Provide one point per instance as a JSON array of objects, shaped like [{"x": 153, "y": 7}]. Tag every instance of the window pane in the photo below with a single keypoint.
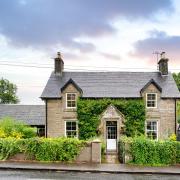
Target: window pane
[
  {"x": 73, "y": 96},
  {"x": 71, "y": 129},
  {"x": 73, "y": 103},
  {"x": 71, "y": 100},
  {"x": 68, "y": 96},
  {"x": 151, "y": 100},
  {"x": 151, "y": 129}
]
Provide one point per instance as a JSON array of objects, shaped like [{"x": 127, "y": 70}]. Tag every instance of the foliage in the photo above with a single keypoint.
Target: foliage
[
  {"x": 8, "y": 92},
  {"x": 178, "y": 111},
  {"x": 57, "y": 149},
  {"x": 9, "y": 147},
  {"x": 176, "y": 77},
  {"x": 144, "y": 151},
  {"x": 43, "y": 149},
  {"x": 89, "y": 111},
  {"x": 13, "y": 128},
  {"x": 173, "y": 137}
]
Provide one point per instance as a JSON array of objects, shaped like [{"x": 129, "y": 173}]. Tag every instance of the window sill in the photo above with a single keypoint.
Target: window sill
[{"x": 70, "y": 110}]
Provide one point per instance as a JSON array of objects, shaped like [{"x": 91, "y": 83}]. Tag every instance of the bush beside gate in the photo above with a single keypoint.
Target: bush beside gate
[{"x": 143, "y": 151}]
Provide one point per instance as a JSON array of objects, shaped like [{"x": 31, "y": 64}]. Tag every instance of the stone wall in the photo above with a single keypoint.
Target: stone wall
[
  {"x": 91, "y": 153},
  {"x": 57, "y": 113},
  {"x": 164, "y": 114}
]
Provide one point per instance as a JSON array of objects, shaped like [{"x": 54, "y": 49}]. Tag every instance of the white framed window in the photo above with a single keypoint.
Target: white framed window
[
  {"x": 70, "y": 100},
  {"x": 152, "y": 129},
  {"x": 151, "y": 100},
  {"x": 71, "y": 129}
]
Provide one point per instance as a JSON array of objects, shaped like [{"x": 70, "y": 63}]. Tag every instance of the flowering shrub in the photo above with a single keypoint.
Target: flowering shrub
[{"x": 13, "y": 128}]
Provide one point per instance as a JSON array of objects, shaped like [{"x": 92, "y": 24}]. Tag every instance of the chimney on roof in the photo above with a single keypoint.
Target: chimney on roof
[
  {"x": 163, "y": 64},
  {"x": 58, "y": 65}
]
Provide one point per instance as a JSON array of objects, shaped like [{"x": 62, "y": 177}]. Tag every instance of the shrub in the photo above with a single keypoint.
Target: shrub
[
  {"x": 173, "y": 137},
  {"x": 57, "y": 149},
  {"x": 89, "y": 111},
  {"x": 9, "y": 147},
  {"x": 178, "y": 153},
  {"x": 12, "y": 128},
  {"x": 42, "y": 149},
  {"x": 144, "y": 151}
]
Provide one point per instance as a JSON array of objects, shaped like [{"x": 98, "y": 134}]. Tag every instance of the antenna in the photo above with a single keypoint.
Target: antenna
[{"x": 157, "y": 53}]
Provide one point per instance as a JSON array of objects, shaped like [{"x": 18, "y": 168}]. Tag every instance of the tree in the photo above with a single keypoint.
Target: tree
[
  {"x": 176, "y": 77},
  {"x": 8, "y": 92}
]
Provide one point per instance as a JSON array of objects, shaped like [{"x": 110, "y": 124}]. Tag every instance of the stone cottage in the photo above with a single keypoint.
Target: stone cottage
[{"x": 158, "y": 89}]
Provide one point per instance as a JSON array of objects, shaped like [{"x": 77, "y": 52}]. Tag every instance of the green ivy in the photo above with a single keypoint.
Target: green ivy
[{"x": 89, "y": 111}]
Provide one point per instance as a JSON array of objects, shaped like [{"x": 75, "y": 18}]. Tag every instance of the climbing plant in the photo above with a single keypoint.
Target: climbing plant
[{"x": 89, "y": 111}]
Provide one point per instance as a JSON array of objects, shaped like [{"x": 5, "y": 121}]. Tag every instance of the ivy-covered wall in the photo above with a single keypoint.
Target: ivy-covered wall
[{"x": 89, "y": 111}]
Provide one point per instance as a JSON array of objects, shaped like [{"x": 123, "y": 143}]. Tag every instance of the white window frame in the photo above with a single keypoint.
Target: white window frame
[
  {"x": 147, "y": 101},
  {"x": 75, "y": 101},
  {"x": 71, "y": 120},
  {"x": 157, "y": 125}
]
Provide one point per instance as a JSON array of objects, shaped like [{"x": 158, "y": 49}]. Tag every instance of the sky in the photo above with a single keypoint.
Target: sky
[{"x": 92, "y": 35}]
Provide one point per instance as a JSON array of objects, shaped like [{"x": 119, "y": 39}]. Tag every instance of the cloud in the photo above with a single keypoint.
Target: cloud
[
  {"x": 159, "y": 41},
  {"x": 45, "y": 23},
  {"x": 111, "y": 56}
]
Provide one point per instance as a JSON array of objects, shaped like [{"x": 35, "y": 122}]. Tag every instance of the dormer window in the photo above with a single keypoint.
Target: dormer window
[
  {"x": 151, "y": 100},
  {"x": 70, "y": 100}
]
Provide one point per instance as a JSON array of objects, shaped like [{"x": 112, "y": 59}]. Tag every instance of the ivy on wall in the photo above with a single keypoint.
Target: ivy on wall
[{"x": 89, "y": 111}]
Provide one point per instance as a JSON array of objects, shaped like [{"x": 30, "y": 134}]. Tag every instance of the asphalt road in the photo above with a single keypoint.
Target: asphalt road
[{"x": 38, "y": 175}]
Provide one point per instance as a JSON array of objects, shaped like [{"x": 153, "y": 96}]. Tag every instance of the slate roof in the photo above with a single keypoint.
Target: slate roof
[
  {"x": 30, "y": 114},
  {"x": 110, "y": 84}
]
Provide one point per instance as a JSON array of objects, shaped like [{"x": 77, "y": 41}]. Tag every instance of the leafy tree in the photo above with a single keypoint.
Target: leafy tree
[
  {"x": 176, "y": 77},
  {"x": 8, "y": 92}
]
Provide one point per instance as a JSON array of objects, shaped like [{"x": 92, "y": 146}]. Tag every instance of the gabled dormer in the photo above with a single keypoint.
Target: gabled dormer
[
  {"x": 151, "y": 92},
  {"x": 70, "y": 92}
]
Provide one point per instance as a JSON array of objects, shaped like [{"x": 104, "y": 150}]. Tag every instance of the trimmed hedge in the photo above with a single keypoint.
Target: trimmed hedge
[
  {"x": 42, "y": 149},
  {"x": 144, "y": 151},
  {"x": 89, "y": 111}
]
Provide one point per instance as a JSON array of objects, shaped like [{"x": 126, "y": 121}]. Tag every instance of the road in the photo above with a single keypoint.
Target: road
[{"x": 38, "y": 175}]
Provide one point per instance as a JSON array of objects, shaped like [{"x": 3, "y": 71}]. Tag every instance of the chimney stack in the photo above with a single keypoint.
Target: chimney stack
[
  {"x": 58, "y": 65},
  {"x": 163, "y": 64}
]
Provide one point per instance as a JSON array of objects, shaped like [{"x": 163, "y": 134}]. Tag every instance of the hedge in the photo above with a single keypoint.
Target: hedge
[
  {"x": 42, "y": 149},
  {"x": 89, "y": 111},
  {"x": 144, "y": 151}
]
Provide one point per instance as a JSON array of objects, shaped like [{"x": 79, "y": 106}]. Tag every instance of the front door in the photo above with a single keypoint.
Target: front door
[{"x": 111, "y": 135}]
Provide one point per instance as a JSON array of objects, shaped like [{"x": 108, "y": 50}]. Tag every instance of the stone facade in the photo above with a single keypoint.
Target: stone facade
[
  {"x": 58, "y": 114},
  {"x": 164, "y": 113}
]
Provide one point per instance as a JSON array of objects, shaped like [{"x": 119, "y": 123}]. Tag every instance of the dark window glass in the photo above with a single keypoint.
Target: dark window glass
[
  {"x": 71, "y": 129},
  {"x": 71, "y": 100},
  {"x": 151, "y": 100},
  {"x": 151, "y": 129}
]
